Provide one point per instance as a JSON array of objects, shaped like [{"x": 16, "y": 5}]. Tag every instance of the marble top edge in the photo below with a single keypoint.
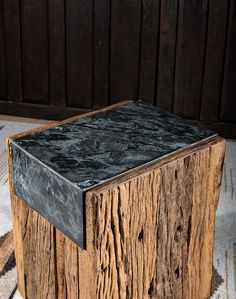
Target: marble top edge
[
  {"x": 82, "y": 190},
  {"x": 14, "y": 144},
  {"x": 94, "y": 149}
]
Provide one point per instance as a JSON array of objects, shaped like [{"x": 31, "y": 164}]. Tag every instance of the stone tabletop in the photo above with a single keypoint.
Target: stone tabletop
[{"x": 53, "y": 168}]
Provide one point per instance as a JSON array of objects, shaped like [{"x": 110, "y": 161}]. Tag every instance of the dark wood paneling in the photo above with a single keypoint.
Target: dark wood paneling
[
  {"x": 101, "y": 52},
  {"x": 190, "y": 57},
  {"x": 224, "y": 129},
  {"x": 79, "y": 53},
  {"x": 68, "y": 55},
  {"x": 228, "y": 105},
  {"x": 148, "y": 47},
  {"x": 124, "y": 56},
  {"x": 227, "y": 130},
  {"x": 211, "y": 91},
  {"x": 13, "y": 49},
  {"x": 3, "y": 84},
  {"x": 167, "y": 53},
  {"x": 56, "y": 27},
  {"x": 34, "y": 17},
  {"x": 39, "y": 110}
]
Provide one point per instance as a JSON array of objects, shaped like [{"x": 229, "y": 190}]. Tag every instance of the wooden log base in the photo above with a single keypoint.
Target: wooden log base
[{"x": 151, "y": 236}]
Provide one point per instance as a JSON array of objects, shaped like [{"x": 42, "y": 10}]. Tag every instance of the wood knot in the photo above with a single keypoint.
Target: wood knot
[
  {"x": 179, "y": 228},
  {"x": 177, "y": 233}
]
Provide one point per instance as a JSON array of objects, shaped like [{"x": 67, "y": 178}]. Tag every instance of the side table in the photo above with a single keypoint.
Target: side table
[{"x": 116, "y": 203}]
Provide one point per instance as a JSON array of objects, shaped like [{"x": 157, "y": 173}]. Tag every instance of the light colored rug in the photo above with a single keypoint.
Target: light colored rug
[
  {"x": 224, "y": 279},
  {"x": 225, "y": 238}
]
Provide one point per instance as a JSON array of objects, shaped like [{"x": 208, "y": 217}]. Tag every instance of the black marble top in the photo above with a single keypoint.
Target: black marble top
[
  {"x": 88, "y": 151},
  {"x": 93, "y": 149}
]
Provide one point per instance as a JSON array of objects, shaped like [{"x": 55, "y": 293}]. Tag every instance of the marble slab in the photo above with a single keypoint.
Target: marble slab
[{"x": 53, "y": 169}]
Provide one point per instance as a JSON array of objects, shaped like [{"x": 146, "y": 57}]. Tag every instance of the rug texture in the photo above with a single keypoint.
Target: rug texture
[
  {"x": 224, "y": 270},
  {"x": 8, "y": 280}
]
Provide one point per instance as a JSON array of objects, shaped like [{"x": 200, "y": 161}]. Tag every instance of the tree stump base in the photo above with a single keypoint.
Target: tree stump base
[{"x": 149, "y": 232}]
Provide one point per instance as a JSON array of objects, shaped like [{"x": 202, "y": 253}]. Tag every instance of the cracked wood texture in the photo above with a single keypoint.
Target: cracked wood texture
[{"x": 150, "y": 235}]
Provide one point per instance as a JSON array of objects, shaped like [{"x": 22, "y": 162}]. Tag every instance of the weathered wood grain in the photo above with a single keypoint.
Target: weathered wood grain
[
  {"x": 150, "y": 12},
  {"x": 124, "y": 47},
  {"x": 56, "y": 52},
  {"x": 18, "y": 214},
  {"x": 34, "y": 51},
  {"x": 228, "y": 105},
  {"x": 79, "y": 53},
  {"x": 13, "y": 49},
  {"x": 167, "y": 54},
  {"x": 149, "y": 236},
  {"x": 101, "y": 40},
  {"x": 3, "y": 79},
  {"x": 214, "y": 59},
  {"x": 190, "y": 49},
  {"x": 60, "y": 57}
]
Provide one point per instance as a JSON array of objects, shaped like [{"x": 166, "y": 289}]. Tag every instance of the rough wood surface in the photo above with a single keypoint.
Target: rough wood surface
[{"x": 147, "y": 237}]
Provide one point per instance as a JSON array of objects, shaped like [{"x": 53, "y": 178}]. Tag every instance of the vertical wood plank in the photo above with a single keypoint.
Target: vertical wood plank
[
  {"x": 167, "y": 52},
  {"x": 3, "y": 83},
  {"x": 170, "y": 239},
  {"x": 215, "y": 164},
  {"x": 60, "y": 264},
  {"x": 101, "y": 52},
  {"x": 124, "y": 60},
  {"x": 17, "y": 207},
  {"x": 185, "y": 190},
  {"x": 13, "y": 49},
  {"x": 216, "y": 34},
  {"x": 39, "y": 257},
  {"x": 125, "y": 245},
  {"x": 228, "y": 104},
  {"x": 35, "y": 50},
  {"x": 190, "y": 57},
  {"x": 154, "y": 234},
  {"x": 56, "y": 23},
  {"x": 87, "y": 263},
  {"x": 79, "y": 53},
  {"x": 71, "y": 269},
  {"x": 197, "y": 287},
  {"x": 19, "y": 216},
  {"x": 148, "y": 48}
]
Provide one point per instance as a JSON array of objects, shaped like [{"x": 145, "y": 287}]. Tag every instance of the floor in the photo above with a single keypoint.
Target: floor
[{"x": 225, "y": 238}]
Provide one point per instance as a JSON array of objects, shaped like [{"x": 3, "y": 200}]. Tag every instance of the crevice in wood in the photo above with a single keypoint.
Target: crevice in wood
[
  {"x": 179, "y": 228},
  {"x": 151, "y": 288},
  {"x": 141, "y": 235},
  {"x": 176, "y": 174},
  {"x": 177, "y": 273},
  {"x": 26, "y": 223},
  {"x": 186, "y": 162},
  {"x": 116, "y": 235},
  {"x": 55, "y": 261},
  {"x": 189, "y": 230}
]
